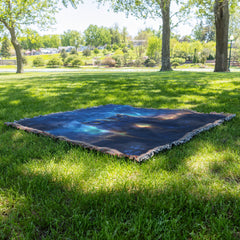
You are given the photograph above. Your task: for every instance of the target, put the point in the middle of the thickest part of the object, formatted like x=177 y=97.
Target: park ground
x=52 y=190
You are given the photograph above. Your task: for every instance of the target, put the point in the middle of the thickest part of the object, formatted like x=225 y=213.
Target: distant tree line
x=93 y=36
x=17 y=15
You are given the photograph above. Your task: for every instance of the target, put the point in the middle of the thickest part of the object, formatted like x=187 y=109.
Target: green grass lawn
x=52 y=190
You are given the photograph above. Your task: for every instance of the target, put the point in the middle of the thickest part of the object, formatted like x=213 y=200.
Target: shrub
x=109 y=61
x=97 y=62
x=118 y=52
x=125 y=50
x=178 y=60
x=119 y=60
x=68 y=60
x=96 y=50
x=175 y=64
x=109 y=48
x=24 y=60
x=38 y=62
x=203 y=59
x=63 y=54
x=126 y=59
x=54 y=62
x=138 y=62
x=115 y=46
x=76 y=62
x=74 y=51
x=131 y=46
x=150 y=62
x=86 y=52
x=105 y=52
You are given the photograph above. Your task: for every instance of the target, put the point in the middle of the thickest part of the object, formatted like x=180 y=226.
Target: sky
x=88 y=13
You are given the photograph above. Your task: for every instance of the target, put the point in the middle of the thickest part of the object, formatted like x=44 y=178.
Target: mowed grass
x=52 y=190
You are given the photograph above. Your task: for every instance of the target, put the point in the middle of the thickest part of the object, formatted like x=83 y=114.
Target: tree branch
x=5 y=23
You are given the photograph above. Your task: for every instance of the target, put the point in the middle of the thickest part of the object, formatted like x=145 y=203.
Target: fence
x=235 y=64
x=8 y=62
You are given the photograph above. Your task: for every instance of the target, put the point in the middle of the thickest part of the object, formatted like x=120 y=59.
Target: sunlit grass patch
x=53 y=190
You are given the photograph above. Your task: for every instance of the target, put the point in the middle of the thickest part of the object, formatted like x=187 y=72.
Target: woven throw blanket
x=122 y=130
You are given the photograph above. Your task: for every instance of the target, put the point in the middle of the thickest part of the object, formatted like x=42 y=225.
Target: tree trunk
x=165 y=8
x=221 y=12
x=17 y=48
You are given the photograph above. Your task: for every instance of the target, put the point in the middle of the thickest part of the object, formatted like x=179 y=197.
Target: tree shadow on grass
x=43 y=205
x=106 y=197
x=39 y=95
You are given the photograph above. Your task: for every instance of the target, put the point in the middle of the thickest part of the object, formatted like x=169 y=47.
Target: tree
x=165 y=9
x=5 y=49
x=72 y=38
x=124 y=35
x=221 y=10
x=144 y=35
x=154 y=48
x=205 y=32
x=115 y=35
x=15 y=15
x=234 y=25
x=97 y=36
x=31 y=41
x=144 y=9
x=51 y=41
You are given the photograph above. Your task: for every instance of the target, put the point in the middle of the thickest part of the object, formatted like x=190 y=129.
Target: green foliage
x=109 y=62
x=205 y=33
x=145 y=35
x=71 y=38
x=73 y=3
x=77 y=62
x=138 y=62
x=105 y=51
x=236 y=51
x=53 y=190
x=97 y=62
x=115 y=35
x=24 y=60
x=54 y=62
x=126 y=59
x=73 y=61
x=96 y=50
x=192 y=50
x=86 y=52
x=38 y=62
x=97 y=36
x=124 y=35
x=195 y=57
x=18 y=14
x=175 y=64
x=63 y=54
x=109 y=47
x=125 y=50
x=74 y=51
x=51 y=41
x=140 y=51
x=178 y=60
x=68 y=60
x=234 y=25
x=154 y=48
x=150 y=62
x=115 y=47
x=118 y=52
x=119 y=60
x=5 y=49
x=31 y=40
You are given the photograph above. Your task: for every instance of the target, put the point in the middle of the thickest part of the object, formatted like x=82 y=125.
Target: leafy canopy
x=21 y=13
